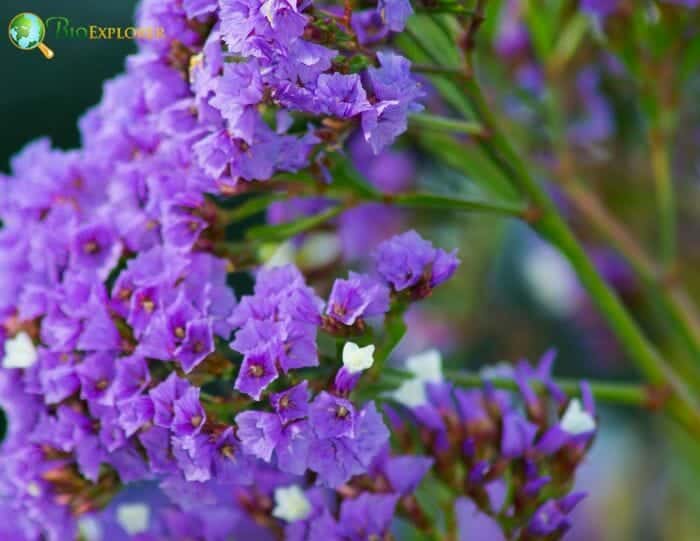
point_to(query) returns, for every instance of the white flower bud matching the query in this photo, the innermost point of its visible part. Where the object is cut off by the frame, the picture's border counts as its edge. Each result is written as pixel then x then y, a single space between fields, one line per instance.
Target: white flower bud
pixel 291 504
pixel 20 352
pixel 427 368
pixel 133 517
pixel 357 359
pixel 576 420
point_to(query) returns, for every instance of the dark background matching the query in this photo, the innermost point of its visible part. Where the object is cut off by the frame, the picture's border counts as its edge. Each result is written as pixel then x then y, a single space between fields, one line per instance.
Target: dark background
pixel 41 97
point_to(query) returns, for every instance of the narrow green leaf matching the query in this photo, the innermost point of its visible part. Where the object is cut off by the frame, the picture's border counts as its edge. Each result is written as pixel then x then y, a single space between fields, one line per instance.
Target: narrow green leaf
pixel 287 230
pixel 471 161
pixel 345 175
pixel 252 206
pixel 441 123
pixel 425 200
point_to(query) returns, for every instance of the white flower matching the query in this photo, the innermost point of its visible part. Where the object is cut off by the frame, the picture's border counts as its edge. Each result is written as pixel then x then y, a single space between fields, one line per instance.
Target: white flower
pixel 133 517
pixel 576 420
pixel 291 504
pixel 89 529
pixel 20 352
pixel 552 280
pixel 427 368
pixel 357 359
pixel 319 250
pixel 33 489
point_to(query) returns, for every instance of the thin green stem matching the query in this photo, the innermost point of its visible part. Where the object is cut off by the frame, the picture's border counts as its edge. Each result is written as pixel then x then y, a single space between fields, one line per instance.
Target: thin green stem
pixel 670 296
pixel 666 201
pixel 434 201
pixel 553 227
pixel 284 231
pixel 673 298
pixel 628 394
pixel 435 69
pixel 441 123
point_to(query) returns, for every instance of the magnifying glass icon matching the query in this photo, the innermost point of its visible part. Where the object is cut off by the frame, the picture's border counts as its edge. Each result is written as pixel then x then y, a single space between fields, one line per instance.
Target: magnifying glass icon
pixel 27 32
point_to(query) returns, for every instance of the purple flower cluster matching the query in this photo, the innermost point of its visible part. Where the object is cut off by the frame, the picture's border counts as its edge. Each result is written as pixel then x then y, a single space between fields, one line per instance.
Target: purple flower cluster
pixel 127 359
pixel 408 262
pixel 484 446
pixel 114 305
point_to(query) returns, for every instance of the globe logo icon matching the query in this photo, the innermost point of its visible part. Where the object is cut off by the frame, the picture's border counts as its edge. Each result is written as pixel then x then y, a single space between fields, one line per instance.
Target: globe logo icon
pixel 27 32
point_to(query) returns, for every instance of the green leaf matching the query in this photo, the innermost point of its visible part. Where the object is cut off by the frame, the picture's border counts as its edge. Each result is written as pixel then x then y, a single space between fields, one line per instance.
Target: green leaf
pixel 406 531
pixel 279 232
pixel 471 161
pixel 420 50
pixel 397 373
pixel 434 497
pixel 394 330
pixel 348 178
pixel 442 202
pixel 571 37
pixel 441 123
pixel 252 206
pixel 434 35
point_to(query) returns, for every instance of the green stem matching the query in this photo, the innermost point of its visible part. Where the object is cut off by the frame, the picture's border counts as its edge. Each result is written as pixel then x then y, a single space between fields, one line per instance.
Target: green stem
pixel 552 226
pixel 661 167
pixel 434 201
pixel 670 296
pixel 284 231
pixel 440 123
pixel 629 394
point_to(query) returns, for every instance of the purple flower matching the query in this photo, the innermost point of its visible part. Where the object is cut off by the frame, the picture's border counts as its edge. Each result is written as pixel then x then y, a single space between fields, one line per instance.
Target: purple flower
pixel 332 416
pixel 407 260
pixel 404 473
pixel 141 308
pixel 474 524
pixel 135 413
pixel 132 377
pixel 687 3
pixel 369 26
pixel 239 91
pixel 259 433
pixel 551 518
pixel 194 454
pixel 164 396
pixel 96 373
pixel 293 447
pixel 292 404
pixel 369 516
pixel 181 225
pixel 340 95
pixel 188 413
pixel 336 459
pixel 229 462
pixel 357 297
pixel 602 8
pixel 395 13
pixel 99 332
pixel 396 93
pixel 58 376
pixel 517 436
pixel 257 372
pixel 197 344
pixel 96 249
